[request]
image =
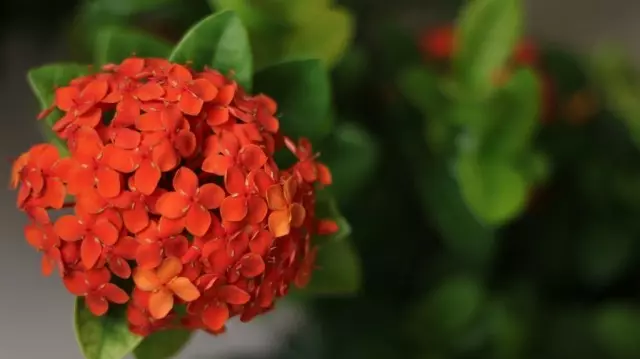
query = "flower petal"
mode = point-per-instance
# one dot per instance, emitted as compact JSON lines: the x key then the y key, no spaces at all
{"x":160,"y":303}
{"x":147,"y":177}
{"x":234,"y":180}
{"x":119,"y":267}
{"x":146,"y":279}
{"x":257,"y":209}
{"x":108,"y":182}
{"x":149,"y":256}
{"x":215,"y":316}
{"x":217,"y":164}
{"x":169,"y":269}
{"x":279,"y":223}
{"x":298,"y":214}
{"x":217,"y":115}
{"x":234,"y":209}
{"x":211,"y":196}
{"x":190,"y":104}
{"x":233,"y":295}
{"x":251,"y":265}
{"x":185,"y":181}
{"x":184,"y":289}
{"x":260,"y":242}
{"x":172,"y":205}
{"x":76,"y":283}
{"x":97,"y":304}
{"x":198,"y":220}
{"x":114,"y":294}
{"x":252,"y":157}
{"x":135,"y":219}
{"x":69,"y":228}
{"x":90,"y":251}
{"x":276,"y":198}
{"x":106,"y":232}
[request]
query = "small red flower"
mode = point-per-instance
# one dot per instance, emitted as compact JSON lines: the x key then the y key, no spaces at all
{"x":95,"y":286}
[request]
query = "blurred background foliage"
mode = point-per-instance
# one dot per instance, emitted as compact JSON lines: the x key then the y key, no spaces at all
{"x":491,"y":181}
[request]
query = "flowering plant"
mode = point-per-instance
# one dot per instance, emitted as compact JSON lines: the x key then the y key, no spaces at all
{"x":193,"y":199}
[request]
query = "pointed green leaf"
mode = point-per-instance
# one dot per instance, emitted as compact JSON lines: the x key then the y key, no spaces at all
{"x":352,"y":155}
{"x":221,"y":42}
{"x":105,"y":337}
{"x":129,"y":7}
{"x":338,"y":272}
{"x":163,"y":345}
{"x":302,"y":90}
{"x":495,"y":191}
{"x":487,"y":33}
{"x":43,"y":82}
{"x":114,"y":44}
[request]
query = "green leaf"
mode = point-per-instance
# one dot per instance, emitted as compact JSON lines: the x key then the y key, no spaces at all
{"x":517,"y":117}
{"x":464,"y":235}
{"x":487,"y":33}
{"x":302,"y":90}
{"x":163,"y":345}
{"x":605,"y":252}
{"x":616,"y":326}
{"x":619,"y":80}
{"x":494,"y":191}
{"x":43,"y":82}
{"x":338,"y":270}
{"x":221,"y":42}
{"x":352,"y":155}
{"x":105,"y":337}
{"x":114,"y":44}
{"x":324,"y":35}
{"x":420,"y":86}
{"x":450,"y":310}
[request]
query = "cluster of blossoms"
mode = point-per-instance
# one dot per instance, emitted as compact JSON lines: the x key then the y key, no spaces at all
{"x":440,"y":44}
{"x":176,"y":192}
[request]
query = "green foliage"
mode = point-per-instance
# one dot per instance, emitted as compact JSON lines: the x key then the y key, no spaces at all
{"x":163,"y":345}
{"x":302,"y":90}
{"x":221,"y":42}
{"x":292,"y":30}
{"x":44,"y":81}
{"x":338,"y":270}
{"x":487,"y":33}
{"x":114,"y":44}
{"x":105,"y":337}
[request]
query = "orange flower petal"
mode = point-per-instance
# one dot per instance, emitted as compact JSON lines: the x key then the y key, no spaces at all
{"x":232,"y":294}
{"x":198,"y":220}
{"x":69,"y":228}
{"x":65,"y":97}
{"x":190,"y":104}
{"x":234,"y":180}
{"x":109,"y":183}
{"x":170,"y":227}
{"x":252,"y":157}
{"x":149,"y":91}
{"x":146,"y":280}
{"x":251,"y":265}
{"x":324,"y":174}
{"x":54,"y":194}
{"x":76,"y":283}
{"x":279,"y":223}
{"x":257,"y":209}
{"x":217,"y":115}
{"x":150,"y":121}
{"x":149,"y":256}
{"x":165,"y":156}
{"x":262,"y":181}
{"x":114,"y":293}
{"x":120,"y":159}
{"x":298,"y":214}
{"x":119,"y":267}
{"x":173,"y":205}
{"x":90,"y":252}
{"x":211,"y":196}
{"x":169,"y":269}
{"x":217,"y":164}
{"x":147,"y":177}
{"x":260,"y":242}
{"x":185,"y":182}
{"x":215,"y":316}
{"x":276,"y":198}
{"x":126,"y":138}
{"x":203,"y":89}
{"x":106,"y":232}
{"x":136,"y":219}
{"x":185,"y":143}
{"x":97,"y":304}
{"x":290,"y":189}
{"x":160,"y":303}
{"x":234,"y":209}
{"x":184,"y":289}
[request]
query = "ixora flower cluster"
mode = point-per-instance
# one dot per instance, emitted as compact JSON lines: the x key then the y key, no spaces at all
{"x":175,"y":186}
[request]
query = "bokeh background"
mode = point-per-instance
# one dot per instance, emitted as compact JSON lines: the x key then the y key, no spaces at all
{"x":35,"y":312}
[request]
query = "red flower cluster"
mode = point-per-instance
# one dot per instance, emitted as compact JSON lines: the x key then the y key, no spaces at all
{"x":175,"y":187}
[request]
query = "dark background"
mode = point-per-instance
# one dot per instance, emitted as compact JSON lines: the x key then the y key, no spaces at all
{"x":35,"y":312}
